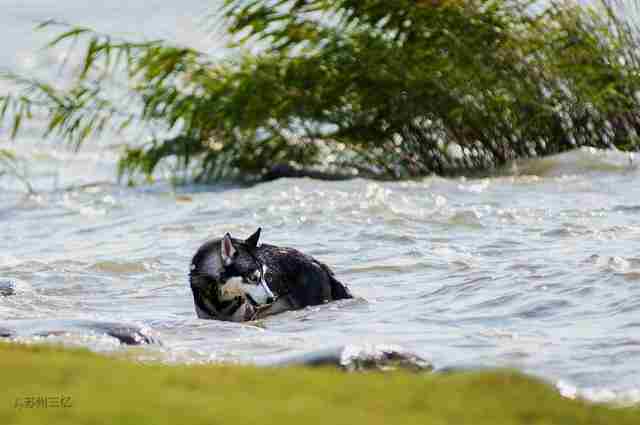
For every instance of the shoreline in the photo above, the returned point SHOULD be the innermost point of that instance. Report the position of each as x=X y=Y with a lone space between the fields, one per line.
x=99 y=389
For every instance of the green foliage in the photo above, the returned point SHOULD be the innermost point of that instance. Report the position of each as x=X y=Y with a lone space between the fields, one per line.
x=100 y=390
x=393 y=89
x=10 y=165
x=7 y=160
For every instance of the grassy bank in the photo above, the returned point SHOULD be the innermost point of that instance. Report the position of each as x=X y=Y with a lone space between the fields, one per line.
x=96 y=390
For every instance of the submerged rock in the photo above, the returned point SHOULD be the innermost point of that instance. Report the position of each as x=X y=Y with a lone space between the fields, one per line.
x=7 y=288
x=6 y=333
x=354 y=358
x=127 y=334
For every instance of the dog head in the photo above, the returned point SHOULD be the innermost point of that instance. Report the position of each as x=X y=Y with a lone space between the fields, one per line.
x=226 y=272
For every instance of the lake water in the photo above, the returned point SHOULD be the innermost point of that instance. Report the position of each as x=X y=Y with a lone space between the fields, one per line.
x=539 y=271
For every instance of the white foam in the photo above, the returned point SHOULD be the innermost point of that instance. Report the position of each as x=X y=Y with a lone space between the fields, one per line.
x=628 y=397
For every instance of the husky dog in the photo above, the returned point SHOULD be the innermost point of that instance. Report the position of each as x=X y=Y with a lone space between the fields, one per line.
x=239 y=280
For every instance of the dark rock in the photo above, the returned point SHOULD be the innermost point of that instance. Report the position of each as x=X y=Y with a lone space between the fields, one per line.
x=7 y=288
x=125 y=333
x=6 y=333
x=358 y=358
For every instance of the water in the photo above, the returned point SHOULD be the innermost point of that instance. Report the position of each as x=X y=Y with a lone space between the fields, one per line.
x=538 y=271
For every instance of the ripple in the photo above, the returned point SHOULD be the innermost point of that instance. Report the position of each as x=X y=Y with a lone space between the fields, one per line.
x=499 y=301
x=387 y=236
x=632 y=209
x=399 y=266
x=118 y=268
x=569 y=231
x=469 y=218
x=625 y=306
x=543 y=309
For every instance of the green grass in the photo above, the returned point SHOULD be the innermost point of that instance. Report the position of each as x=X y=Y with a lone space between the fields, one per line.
x=115 y=391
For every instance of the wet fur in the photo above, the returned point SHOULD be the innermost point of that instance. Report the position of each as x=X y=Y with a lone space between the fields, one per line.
x=298 y=280
x=305 y=280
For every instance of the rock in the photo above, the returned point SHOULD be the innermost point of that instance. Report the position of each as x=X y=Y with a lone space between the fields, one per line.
x=6 y=333
x=7 y=288
x=127 y=334
x=358 y=358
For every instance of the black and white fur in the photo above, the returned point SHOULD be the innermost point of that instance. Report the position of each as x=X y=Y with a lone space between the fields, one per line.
x=239 y=280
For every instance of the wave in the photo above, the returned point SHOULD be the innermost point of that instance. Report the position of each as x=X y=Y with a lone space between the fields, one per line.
x=585 y=160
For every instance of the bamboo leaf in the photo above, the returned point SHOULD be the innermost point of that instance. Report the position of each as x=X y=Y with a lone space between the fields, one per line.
x=17 y=120
x=73 y=33
x=90 y=57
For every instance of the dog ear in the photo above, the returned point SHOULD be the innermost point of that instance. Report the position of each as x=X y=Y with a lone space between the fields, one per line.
x=252 y=241
x=227 y=250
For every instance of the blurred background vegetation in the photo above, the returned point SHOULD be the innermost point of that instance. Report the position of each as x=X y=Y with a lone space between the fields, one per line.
x=373 y=88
